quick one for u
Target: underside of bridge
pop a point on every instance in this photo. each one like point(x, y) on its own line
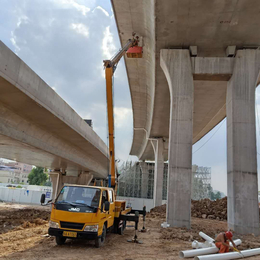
point(185, 84)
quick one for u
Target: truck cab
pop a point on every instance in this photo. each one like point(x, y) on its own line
point(83, 212)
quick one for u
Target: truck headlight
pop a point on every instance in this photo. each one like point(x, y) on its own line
point(53, 224)
point(93, 228)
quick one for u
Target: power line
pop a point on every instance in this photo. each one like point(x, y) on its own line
point(210, 137)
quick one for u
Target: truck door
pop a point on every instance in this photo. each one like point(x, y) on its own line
point(111, 208)
point(107, 195)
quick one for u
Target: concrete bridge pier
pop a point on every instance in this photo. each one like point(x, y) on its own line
point(177, 68)
point(145, 178)
point(243, 211)
point(158, 171)
point(58, 179)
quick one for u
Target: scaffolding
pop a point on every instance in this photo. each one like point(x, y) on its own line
point(201, 182)
point(137, 180)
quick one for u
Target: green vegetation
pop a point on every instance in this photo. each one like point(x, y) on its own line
point(215, 196)
point(48, 183)
point(37, 176)
point(18, 187)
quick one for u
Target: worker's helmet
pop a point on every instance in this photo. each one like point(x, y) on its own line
point(229, 234)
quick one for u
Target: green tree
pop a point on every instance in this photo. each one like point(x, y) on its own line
point(218, 195)
point(37, 176)
point(47, 183)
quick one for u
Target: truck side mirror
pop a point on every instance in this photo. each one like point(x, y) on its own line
point(42, 198)
point(107, 205)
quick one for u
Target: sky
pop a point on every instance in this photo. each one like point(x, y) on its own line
point(65, 42)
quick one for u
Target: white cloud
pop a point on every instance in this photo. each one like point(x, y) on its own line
point(122, 116)
point(80, 29)
point(108, 46)
point(22, 19)
point(67, 4)
point(13, 41)
point(102, 9)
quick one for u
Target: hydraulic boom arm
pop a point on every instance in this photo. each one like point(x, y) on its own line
point(110, 67)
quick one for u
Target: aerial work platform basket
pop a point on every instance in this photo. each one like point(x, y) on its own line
point(135, 52)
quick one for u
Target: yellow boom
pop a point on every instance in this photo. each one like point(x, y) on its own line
point(110, 67)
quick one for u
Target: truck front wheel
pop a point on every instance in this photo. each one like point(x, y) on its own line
point(100, 240)
point(60, 240)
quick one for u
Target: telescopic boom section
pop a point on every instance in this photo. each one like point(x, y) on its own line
point(110, 66)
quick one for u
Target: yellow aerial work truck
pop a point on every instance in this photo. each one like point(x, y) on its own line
point(89, 211)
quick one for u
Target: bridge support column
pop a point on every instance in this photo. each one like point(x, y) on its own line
point(84, 178)
point(158, 172)
point(176, 65)
point(56, 183)
point(58, 180)
point(145, 178)
point(243, 210)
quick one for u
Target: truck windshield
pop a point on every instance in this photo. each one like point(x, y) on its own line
point(79, 196)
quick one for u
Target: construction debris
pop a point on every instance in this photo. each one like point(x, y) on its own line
point(209, 209)
point(204, 208)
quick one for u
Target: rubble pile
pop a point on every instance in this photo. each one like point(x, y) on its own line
point(159, 211)
point(209, 209)
point(205, 208)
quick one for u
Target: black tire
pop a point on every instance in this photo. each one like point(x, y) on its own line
point(99, 241)
point(60, 240)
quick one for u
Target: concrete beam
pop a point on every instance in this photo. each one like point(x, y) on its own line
point(176, 65)
point(243, 210)
point(212, 68)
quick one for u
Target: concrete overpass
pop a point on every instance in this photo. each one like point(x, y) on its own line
point(38, 127)
point(200, 64)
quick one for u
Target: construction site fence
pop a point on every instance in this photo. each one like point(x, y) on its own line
point(22, 196)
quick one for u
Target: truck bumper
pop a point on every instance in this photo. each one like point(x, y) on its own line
point(80, 234)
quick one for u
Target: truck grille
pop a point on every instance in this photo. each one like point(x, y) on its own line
point(72, 225)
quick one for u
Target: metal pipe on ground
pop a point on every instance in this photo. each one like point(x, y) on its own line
point(231, 255)
point(204, 251)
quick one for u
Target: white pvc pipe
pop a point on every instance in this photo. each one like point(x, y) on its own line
point(196, 245)
point(206, 237)
point(231, 255)
point(204, 251)
point(196, 252)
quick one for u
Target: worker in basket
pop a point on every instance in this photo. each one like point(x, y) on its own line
point(222, 242)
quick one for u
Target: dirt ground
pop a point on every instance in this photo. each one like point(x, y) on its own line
point(23, 235)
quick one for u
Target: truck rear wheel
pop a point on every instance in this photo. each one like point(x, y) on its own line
point(100, 240)
point(60, 240)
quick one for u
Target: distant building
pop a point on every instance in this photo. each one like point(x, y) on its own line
point(14, 172)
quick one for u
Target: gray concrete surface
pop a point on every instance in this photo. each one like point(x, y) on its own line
point(38, 127)
point(176, 65)
point(243, 210)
